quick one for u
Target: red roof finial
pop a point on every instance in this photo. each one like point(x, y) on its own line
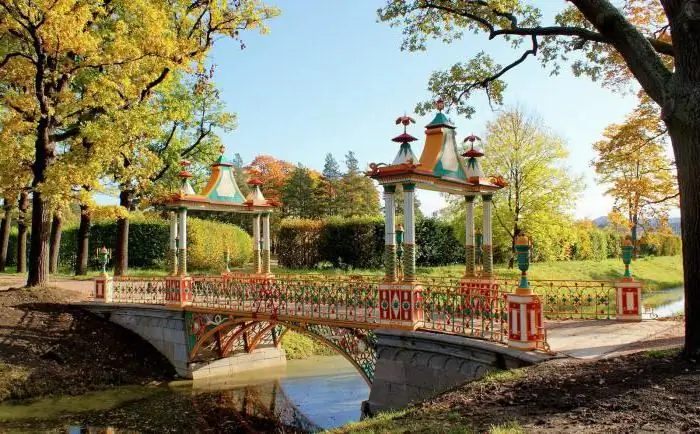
point(472, 152)
point(184, 173)
point(405, 137)
point(440, 104)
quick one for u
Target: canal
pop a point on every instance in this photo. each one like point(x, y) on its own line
point(309, 395)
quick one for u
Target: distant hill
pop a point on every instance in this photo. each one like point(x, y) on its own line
point(674, 222)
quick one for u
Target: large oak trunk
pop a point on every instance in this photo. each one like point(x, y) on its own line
point(5, 232)
point(681, 113)
point(81, 262)
point(121, 253)
point(45, 153)
point(23, 205)
point(55, 245)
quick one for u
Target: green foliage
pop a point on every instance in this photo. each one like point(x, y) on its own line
point(438, 244)
point(148, 243)
point(358, 242)
point(299, 243)
point(298, 195)
point(659, 244)
point(300, 346)
point(208, 241)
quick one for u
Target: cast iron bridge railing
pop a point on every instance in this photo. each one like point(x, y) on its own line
point(343, 311)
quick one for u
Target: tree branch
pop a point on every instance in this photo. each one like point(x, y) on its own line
point(485, 82)
point(639, 54)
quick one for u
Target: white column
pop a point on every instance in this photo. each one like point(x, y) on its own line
point(469, 241)
point(409, 216)
point(182, 242)
point(266, 231)
point(487, 246)
point(256, 243)
point(409, 267)
point(469, 247)
point(172, 249)
point(389, 218)
point(486, 224)
point(266, 243)
point(389, 233)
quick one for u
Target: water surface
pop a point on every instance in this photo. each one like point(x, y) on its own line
point(309, 395)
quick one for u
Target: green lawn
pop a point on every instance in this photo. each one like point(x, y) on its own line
point(657, 272)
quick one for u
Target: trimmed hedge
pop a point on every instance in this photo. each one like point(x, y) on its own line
point(358, 242)
point(148, 244)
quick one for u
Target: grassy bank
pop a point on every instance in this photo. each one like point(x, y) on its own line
point(658, 272)
point(646, 392)
point(299, 346)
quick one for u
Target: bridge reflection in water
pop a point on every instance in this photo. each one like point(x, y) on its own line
point(303, 399)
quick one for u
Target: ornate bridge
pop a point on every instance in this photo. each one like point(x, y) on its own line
point(237, 313)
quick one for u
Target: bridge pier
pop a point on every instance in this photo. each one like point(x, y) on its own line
point(414, 366)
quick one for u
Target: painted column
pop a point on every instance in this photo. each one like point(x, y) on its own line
point(266, 244)
point(487, 246)
point(469, 244)
point(172, 248)
point(182, 243)
point(409, 256)
point(389, 233)
point(256, 244)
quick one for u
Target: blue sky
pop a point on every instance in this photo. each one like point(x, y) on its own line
point(330, 78)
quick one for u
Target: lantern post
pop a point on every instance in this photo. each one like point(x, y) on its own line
point(628, 289)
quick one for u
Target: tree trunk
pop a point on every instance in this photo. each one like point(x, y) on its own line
point(81, 261)
point(121, 252)
point(23, 205)
point(681, 113)
point(5, 233)
point(55, 245)
point(45, 154)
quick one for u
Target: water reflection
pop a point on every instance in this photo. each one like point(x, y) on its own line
point(664, 303)
point(309, 396)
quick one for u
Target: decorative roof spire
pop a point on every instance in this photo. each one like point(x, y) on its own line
point(440, 120)
point(185, 188)
point(405, 154)
point(472, 155)
point(255, 197)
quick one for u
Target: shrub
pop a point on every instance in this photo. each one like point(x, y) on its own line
point(357, 242)
point(148, 243)
point(207, 242)
point(437, 244)
point(299, 243)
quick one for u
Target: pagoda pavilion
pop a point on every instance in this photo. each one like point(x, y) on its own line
point(221, 193)
point(439, 168)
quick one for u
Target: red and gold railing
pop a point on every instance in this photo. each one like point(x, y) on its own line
point(442, 304)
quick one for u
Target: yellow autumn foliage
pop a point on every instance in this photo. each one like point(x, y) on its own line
point(207, 242)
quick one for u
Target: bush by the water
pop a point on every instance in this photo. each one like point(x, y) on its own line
point(358, 242)
point(300, 346)
point(207, 242)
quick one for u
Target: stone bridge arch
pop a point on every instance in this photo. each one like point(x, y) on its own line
point(213, 336)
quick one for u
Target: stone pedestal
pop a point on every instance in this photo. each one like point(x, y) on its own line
point(104, 289)
point(178, 290)
point(401, 304)
point(525, 320)
point(629, 300)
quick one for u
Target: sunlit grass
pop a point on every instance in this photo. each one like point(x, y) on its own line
point(657, 272)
